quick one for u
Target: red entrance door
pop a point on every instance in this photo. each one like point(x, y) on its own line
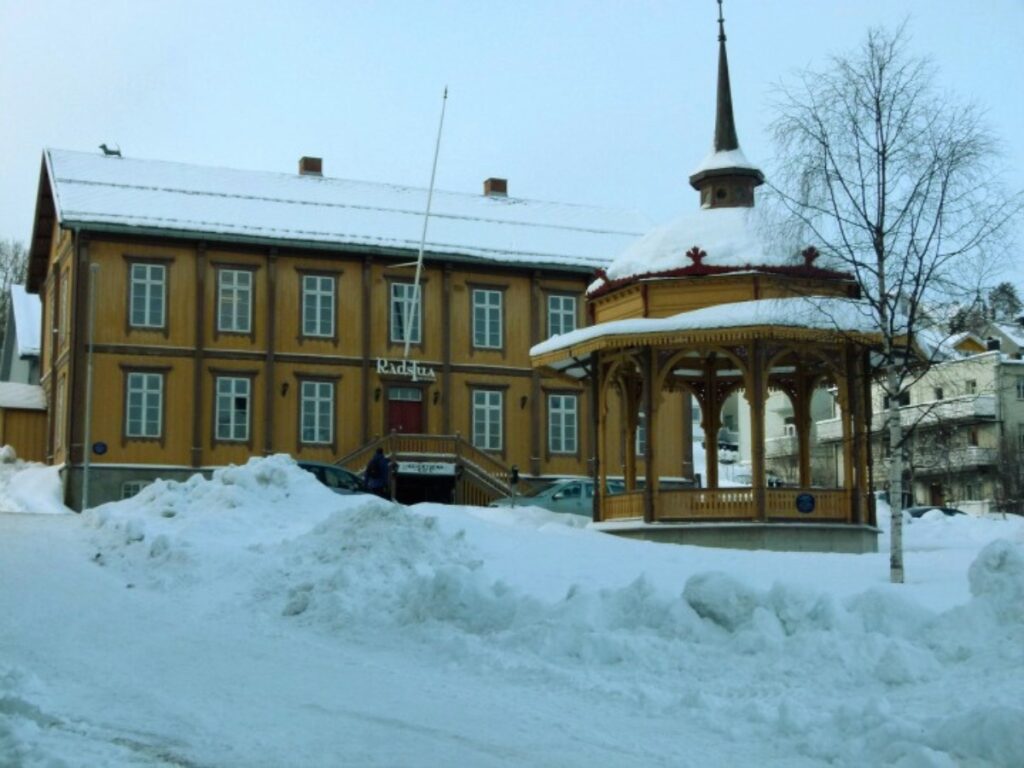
point(405, 410)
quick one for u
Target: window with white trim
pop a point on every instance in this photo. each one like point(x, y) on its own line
point(316, 412)
point(234, 300)
point(487, 409)
point(1020, 387)
point(561, 314)
point(131, 488)
point(318, 305)
point(562, 423)
point(641, 434)
point(144, 404)
point(233, 405)
point(486, 319)
point(147, 292)
point(405, 311)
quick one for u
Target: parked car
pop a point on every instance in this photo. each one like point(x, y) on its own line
point(334, 477)
point(920, 511)
point(573, 496)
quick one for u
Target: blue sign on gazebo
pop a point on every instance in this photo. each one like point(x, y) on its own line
point(805, 503)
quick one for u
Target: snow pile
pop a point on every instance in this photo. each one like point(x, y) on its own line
point(29, 487)
point(514, 621)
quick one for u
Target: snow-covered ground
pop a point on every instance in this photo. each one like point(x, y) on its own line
point(256, 619)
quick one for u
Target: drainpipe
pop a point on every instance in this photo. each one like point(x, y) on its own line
point(87, 436)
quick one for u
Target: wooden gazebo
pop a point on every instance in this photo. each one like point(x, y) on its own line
point(702, 307)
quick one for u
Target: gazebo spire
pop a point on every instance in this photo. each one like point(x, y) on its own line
point(725, 178)
point(725, 124)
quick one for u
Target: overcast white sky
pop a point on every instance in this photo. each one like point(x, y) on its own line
point(588, 101)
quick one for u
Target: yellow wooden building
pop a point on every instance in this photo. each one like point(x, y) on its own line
point(238, 314)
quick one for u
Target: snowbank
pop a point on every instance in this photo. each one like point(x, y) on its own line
point(28, 487)
point(804, 658)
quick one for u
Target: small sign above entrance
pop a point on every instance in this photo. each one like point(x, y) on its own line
point(426, 468)
point(415, 370)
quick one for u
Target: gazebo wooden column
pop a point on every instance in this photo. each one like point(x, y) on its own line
point(859, 415)
point(756, 395)
point(802, 416)
point(710, 420)
point(649, 369)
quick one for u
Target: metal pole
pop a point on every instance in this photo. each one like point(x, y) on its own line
point(423, 237)
point(87, 439)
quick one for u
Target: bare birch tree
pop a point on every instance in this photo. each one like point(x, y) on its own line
point(898, 184)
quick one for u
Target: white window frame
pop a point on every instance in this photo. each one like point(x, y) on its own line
point(488, 411)
point(144, 394)
point(487, 312)
point(234, 300)
point(1020, 387)
point(402, 296)
point(563, 423)
point(561, 314)
point(318, 305)
point(131, 488)
point(640, 446)
point(148, 289)
point(228, 392)
point(316, 412)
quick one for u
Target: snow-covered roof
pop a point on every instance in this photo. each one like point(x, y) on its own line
point(28, 397)
point(728, 236)
point(1013, 332)
point(718, 161)
point(156, 196)
point(846, 316)
point(28, 313)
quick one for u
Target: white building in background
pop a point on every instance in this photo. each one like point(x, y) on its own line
point(967, 445)
point(19, 355)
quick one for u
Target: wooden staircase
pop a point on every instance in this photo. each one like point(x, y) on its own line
point(479, 477)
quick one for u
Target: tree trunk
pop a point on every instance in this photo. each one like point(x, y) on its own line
point(895, 476)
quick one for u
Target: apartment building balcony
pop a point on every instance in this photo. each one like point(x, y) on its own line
point(953, 459)
point(964, 409)
point(781, 446)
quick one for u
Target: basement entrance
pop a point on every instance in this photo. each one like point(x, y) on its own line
point(417, 481)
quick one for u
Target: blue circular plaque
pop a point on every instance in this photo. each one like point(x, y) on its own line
point(99, 448)
point(805, 503)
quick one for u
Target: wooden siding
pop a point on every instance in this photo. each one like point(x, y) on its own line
point(190, 352)
point(25, 431)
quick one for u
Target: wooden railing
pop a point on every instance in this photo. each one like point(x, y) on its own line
point(621, 506)
point(490, 477)
point(831, 504)
point(705, 504)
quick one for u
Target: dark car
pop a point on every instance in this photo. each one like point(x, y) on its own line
point(920, 511)
point(334, 477)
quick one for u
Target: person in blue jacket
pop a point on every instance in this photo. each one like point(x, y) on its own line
point(376, 476)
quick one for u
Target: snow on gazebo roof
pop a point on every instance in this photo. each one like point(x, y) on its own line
point(837, 315)
point(726, 235)
point(720, 160)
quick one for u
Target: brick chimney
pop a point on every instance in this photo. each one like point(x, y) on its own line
point(311, 166)
point(495, 187)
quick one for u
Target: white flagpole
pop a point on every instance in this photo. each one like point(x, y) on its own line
point(415, 299)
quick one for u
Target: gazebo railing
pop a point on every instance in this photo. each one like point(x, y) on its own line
point(731, 504)
point(832, 504)
point(621, 506)
point(704, 503)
